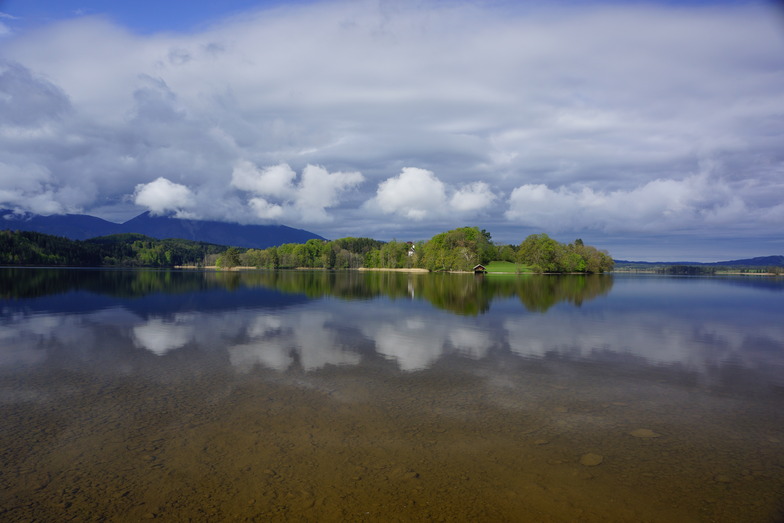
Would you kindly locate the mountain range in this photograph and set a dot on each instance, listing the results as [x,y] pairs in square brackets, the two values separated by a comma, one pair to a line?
[83,227]
[760,261]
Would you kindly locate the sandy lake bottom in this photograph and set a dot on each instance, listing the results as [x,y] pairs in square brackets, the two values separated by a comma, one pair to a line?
[536,443]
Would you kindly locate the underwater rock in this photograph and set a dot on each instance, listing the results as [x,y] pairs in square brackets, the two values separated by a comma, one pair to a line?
[591,459]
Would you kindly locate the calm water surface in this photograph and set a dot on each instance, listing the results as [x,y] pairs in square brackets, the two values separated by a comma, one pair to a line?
[315,396]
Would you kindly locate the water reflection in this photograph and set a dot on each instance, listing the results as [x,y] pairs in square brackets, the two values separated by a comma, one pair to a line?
[308,320]
[278,342]
[462,294]
[355,397]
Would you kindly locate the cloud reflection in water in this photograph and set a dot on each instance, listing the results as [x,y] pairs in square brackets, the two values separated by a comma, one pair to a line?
[278,341]
[313,334]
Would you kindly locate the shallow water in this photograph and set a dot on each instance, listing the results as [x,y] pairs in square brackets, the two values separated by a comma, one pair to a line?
[389,397]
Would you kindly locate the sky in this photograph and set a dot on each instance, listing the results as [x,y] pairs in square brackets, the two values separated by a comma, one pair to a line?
[654,130]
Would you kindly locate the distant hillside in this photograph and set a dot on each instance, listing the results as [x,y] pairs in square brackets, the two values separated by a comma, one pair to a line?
[760,261]
[31,248]
[83,227]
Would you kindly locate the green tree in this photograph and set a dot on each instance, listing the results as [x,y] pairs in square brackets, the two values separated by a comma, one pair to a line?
[230,258]
[507,253]
[457,250]
[311,254]
[540,252]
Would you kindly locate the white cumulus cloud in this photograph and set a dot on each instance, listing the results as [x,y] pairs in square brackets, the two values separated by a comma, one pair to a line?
[266,210]
[418,194]
[472,197]
[414,193]
[277,180]
[277,194]
[163,195]
[320,189]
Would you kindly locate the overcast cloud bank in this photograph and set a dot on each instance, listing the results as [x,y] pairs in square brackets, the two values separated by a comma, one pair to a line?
[642,128]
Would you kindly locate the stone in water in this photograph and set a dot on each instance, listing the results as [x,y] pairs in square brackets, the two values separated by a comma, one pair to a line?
[591,459]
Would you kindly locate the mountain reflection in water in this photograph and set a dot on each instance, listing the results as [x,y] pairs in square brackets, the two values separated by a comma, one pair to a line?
[557,396]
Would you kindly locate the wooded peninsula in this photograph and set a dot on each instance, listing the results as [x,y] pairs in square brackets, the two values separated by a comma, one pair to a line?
[459,249]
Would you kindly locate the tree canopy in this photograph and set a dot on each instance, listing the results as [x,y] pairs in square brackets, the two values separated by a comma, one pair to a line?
[544,254]
[125,250]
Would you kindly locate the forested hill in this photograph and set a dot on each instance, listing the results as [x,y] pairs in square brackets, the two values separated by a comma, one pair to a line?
[82,227]
[126,250]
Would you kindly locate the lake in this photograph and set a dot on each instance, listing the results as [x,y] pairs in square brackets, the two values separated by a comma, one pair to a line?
[379,396]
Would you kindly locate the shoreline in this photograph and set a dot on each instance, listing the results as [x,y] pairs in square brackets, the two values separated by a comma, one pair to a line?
[382,269]
[722,273]
[413,270]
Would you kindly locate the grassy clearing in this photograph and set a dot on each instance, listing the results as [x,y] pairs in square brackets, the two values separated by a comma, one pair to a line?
[506,267]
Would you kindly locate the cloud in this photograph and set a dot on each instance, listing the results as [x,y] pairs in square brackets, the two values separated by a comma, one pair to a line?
[32,110]
[26,100]
[277,181]
[306,201]
[476,196]
[320,189]
[162,195]
[446,110]
[266,210]
[4,29]
[414,193]
[417,194]
[698,200]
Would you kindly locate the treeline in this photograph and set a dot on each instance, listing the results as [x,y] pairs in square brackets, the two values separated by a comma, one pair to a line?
[121,250]
[543,254]
[137,250]
[33,248]
[456,250]
[697,270]
[345,253]
[710,270]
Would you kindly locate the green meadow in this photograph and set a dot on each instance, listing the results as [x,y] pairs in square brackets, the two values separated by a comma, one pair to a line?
[505,267]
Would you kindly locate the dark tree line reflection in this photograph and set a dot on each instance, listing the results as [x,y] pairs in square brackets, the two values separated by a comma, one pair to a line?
[458,293]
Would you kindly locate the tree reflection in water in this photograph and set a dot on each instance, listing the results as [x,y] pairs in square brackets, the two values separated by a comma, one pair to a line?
[464,294]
